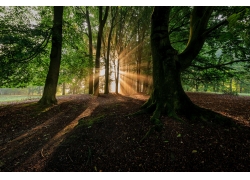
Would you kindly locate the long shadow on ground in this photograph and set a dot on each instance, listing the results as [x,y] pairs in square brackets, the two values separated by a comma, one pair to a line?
[32,140]
[107,139]
[111,141]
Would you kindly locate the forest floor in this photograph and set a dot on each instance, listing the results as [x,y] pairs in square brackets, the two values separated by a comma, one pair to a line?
[86,133]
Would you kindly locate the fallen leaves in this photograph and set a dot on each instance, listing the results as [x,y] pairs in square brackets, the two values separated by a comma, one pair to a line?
[113,144]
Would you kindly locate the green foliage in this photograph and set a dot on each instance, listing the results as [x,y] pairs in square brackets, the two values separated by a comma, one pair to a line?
[179,26]
[232,93]
[22,39]
[238,16]
[224,55]
[194,151]
[25,46]
[15,98]
[179,135]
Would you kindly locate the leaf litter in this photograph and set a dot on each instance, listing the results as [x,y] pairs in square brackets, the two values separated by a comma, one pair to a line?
[113,142]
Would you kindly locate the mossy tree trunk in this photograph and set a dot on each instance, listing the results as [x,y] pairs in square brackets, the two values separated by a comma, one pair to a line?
[168,96]
[49,93]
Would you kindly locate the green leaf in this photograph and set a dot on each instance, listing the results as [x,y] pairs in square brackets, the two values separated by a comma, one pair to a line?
[1,163]
[179,135]
[166,141]
[194,151]
[172,156]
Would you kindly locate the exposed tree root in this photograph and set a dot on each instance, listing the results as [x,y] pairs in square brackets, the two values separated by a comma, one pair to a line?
[47,102]
[147,134]
[211,117]
[155,119]
[189,110]
[186,108]
[157,128]
[140,112]
[144,110]
[89,155]
[42,153]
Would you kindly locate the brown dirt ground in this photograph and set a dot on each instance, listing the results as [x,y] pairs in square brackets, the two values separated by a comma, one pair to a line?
[35,138]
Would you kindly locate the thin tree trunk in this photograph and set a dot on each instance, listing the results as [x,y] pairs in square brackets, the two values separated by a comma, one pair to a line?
[90,53]
[49,93]
[240,87]
[98,49]
[196,85]
[138,76]
[141,36]
[63,88]
[146,86]
[117,77]
[106,90]
[230,85]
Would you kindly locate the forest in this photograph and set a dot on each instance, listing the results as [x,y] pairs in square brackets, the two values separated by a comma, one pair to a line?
[125,88]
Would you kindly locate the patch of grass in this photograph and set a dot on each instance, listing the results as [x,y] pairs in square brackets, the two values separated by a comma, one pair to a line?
[232,93]
[78,136]
[14,98]
[244,94]
[90,121]
[38,109]
[31,104]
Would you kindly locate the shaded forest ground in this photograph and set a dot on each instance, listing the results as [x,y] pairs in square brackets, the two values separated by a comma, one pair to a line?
[85,133]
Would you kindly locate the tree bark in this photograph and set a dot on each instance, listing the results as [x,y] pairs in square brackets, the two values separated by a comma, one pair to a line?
[63,88]
[49,93]
[117,77]
[98,49]
[106,90]
[168,96]
[90,52]
[141,37]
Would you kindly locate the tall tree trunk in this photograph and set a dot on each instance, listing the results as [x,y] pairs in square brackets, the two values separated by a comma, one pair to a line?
[90,53]
[230,85]
[196,86]
[117,77]
[63,88]
[241,86]
[168,96]
[138,72]
[141,36]
[146,85]
[106,90]
[98,49]
[49,93]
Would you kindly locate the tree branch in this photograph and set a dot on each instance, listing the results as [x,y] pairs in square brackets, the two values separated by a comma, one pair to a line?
[198,24]
[208,31]
[218,66]
[41,46]
[79,8]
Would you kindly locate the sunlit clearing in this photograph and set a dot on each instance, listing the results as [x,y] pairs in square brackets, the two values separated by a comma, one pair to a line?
[132,83]
[134,76]
[127,73]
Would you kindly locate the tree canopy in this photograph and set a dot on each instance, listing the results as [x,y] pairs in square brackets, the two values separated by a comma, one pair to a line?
[221,64]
